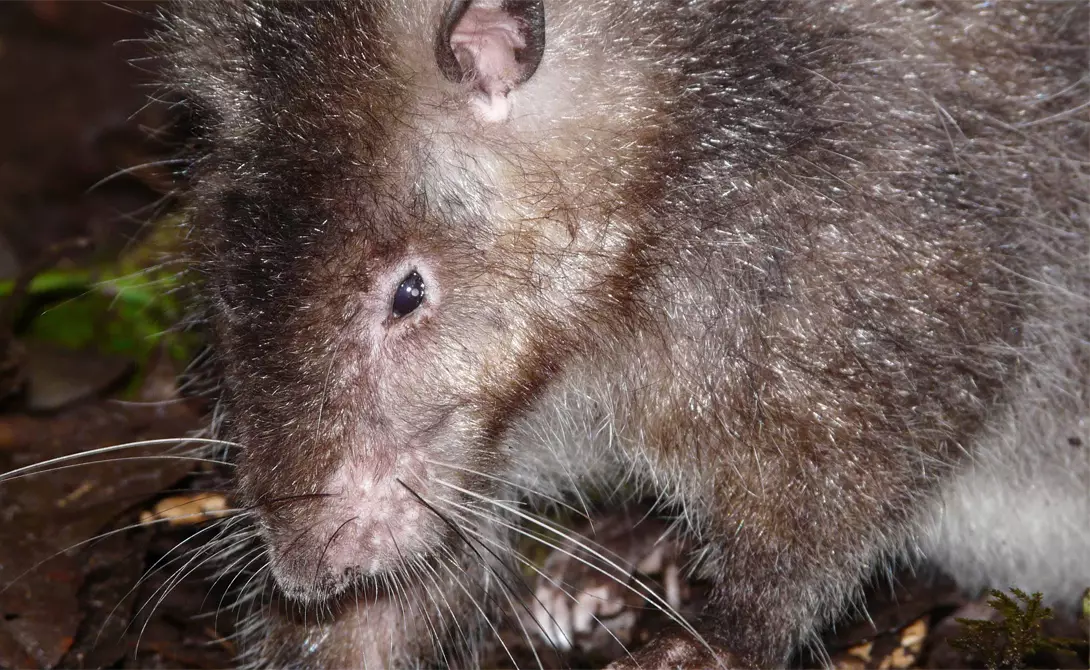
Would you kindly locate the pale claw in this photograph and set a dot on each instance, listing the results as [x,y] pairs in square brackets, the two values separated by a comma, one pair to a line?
[552,616]
[574,600]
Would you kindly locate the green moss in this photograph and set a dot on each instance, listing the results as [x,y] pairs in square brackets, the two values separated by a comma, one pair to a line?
[1007,642]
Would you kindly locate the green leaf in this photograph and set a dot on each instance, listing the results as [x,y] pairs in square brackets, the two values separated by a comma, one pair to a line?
[131,306]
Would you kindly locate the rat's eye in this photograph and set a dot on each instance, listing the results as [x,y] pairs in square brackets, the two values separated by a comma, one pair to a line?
[408,296]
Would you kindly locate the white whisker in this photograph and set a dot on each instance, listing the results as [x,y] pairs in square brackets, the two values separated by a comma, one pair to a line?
[484,616]
[122,459]
[530,564]
[645,591]
[584,513]
[11,474]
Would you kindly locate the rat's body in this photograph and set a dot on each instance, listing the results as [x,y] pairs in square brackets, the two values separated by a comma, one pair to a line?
[816,275]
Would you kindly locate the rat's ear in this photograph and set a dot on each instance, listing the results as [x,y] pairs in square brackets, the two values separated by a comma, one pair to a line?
[493,46]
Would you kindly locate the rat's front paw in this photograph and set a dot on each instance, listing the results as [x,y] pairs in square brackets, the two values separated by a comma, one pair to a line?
[676,650]
[591,584]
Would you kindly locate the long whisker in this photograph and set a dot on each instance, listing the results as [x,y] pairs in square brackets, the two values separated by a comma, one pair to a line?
[229,569]
[453,526]
[248,623]
[97,538]
[244,588]
[412,569]
[530,564]
[121,459]
[274,503]
[237,542]
[135,168]
[429,571]
[252,618]
[504,586]
[196,553]
[460,585]
[117,447]
[508,596]
[418,572]
[584,543]
[508,593]
[557,501]
[526,561]
[215,554]
[259,553]
[645,591]
[481,502]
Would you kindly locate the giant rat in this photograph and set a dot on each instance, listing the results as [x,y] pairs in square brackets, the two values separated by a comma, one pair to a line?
[815,274]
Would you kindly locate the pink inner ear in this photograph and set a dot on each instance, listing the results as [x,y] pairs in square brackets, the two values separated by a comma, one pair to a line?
[485,41]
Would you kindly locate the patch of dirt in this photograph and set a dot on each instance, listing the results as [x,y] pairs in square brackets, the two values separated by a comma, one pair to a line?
[65,596]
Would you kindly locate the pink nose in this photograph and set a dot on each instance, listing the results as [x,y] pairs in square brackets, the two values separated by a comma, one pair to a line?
[364,529]
[324,559]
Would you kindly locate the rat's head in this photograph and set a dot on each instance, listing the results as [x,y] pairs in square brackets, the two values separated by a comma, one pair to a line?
[411,217]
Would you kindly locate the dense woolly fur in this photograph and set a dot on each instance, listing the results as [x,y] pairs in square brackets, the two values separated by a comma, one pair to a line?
[814,274]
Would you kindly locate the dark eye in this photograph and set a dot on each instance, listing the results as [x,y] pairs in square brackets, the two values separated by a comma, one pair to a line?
[409,295]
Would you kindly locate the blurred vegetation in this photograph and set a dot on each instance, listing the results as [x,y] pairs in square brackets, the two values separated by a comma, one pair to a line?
[1018,634]
[131,306]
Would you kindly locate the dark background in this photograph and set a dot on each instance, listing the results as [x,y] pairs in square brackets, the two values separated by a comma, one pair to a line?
[76,116]
[75,112]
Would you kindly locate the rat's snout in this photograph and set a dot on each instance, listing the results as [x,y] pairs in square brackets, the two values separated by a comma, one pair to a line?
[370,520]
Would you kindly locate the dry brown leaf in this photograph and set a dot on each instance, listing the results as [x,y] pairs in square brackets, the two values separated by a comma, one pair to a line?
[186,510]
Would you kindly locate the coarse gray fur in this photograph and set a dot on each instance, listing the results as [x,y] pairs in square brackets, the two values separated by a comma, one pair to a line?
[815,274]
